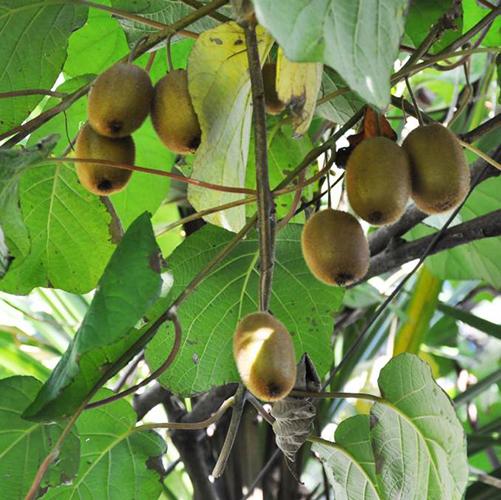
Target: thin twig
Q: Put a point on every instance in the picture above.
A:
(484, 128)
(178, 333)
(128, 372)
(260, 408)
(265, 205)
(480, 154)
(231, 434)
(269, 464)
(26, 92)
(190, 426)
(215, 15)
(153, 171)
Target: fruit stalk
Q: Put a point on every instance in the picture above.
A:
(265, 205)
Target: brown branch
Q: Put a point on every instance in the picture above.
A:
(23, 130)
(484, 128)
(26, 92)
(486, 226)
(153, 171)
(215, 15)
(265, 205)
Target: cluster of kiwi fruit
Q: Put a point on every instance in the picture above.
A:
(381, 176)
(119, 102)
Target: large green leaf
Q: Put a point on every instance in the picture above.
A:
(473, 12)
(419, 444)
(210, 314)
(131, 282)
(13, 163)
(96, 46)
(33, 50)
(219, 85)
(69, 230)
(350, 463)
(115, 457)
(24, 444)
(360, 40)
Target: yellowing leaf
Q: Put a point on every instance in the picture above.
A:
(297, 86)
(219, 85)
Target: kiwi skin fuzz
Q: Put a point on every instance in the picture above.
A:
(120, 100)
(265, 357)
(172, 113)
(274, 106)
(335, 248)
(440, 173)
(100, 179)
(378, 180)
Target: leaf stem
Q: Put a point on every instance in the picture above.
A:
(336, 395)
(480, 153)
(178, 333)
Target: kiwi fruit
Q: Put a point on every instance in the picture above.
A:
(274, 106)
(378, 180)
(265, 358)
(439, 171)
(120, 100)
(335, 248)
(172, 113)
(101, 179)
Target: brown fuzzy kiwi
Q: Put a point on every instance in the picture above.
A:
(265, 358)
(274, 106)
(101, 179)
(440, 173)
(335, 247)
(172, 113)
(120, 100)
(378, 180)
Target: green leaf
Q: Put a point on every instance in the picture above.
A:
(423, 15)
(209, 316)
(24, 444)
(69, 230)
(473, 12)
(360, 40)
(162, 11)
(115, 457)
(33, 49)
(349, 462)
(13, 163)
(131, 282)
(481, 324)
(219, 86)
(96, 46)
(418, 442)
(342, 107)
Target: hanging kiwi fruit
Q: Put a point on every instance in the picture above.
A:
(172, 113)
(274, 106)
(120, 100)
(335, 248)
(378, 180)
(264, 355)
(101, 179)
(439, 171)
